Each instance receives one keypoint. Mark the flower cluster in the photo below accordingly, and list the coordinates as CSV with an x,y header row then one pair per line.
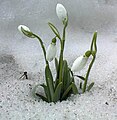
x,y
63,85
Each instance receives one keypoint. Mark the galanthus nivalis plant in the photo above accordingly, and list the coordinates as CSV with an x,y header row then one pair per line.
x,y
63,85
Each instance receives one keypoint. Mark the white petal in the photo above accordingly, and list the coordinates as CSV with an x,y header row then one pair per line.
x,y
24,27
51,52
79,63
61,12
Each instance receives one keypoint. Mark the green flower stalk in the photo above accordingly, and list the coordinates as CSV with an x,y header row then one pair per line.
x,y
93,50
63,15
26,31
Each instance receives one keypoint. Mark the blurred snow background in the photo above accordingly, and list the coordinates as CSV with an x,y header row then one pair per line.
x,y
85,16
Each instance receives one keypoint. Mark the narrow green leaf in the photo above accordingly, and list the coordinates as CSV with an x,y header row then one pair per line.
x,y
54,29
81,77
56,64
90,86
72,75
46,90
74,88
66,76
36,94
42,97
49,81
80,85
57,92
34,90
56,82
57,73
66,92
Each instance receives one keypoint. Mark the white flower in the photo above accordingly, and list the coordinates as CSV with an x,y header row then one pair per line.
x,y
26,31
51,52
61,12
24,27
79,63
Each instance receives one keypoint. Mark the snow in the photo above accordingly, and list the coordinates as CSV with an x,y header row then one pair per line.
x,y
19,54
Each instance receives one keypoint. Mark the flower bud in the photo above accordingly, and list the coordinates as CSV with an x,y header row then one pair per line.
x,y
25,30
24,27
61,12
79,63
51,50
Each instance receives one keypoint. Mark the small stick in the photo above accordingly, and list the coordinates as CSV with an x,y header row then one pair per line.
x,y
24,75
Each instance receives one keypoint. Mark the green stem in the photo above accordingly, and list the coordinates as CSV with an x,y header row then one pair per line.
x,y
64,29
61,54
43,48
87,74
93,44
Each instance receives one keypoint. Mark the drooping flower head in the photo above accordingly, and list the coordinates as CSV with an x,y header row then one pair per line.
x,y
79,63
51,50
24,27
61,12
25,30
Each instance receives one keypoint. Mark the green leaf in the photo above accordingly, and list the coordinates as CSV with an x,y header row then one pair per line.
x,y
49,81
56,82
81,77
66,76
46,92
72,78
27,33
57,92
54,29
34,90
80,85
74,88
37,94
90,86
64,96
57,72
42,97
56,64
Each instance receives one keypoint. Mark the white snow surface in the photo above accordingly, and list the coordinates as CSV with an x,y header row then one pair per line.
x,y
19,53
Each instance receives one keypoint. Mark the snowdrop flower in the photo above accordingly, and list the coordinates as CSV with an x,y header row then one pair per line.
x,y
24,27
51,50
61,12
79,63
26,31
